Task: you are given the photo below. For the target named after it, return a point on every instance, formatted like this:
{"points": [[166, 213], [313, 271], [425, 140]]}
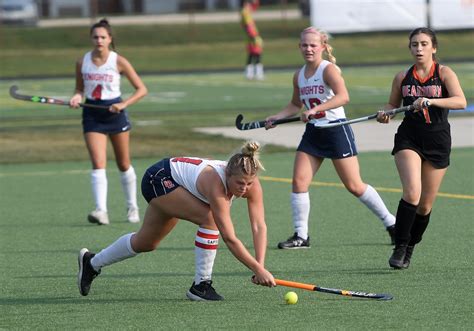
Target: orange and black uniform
{"points": [[427, 132]]}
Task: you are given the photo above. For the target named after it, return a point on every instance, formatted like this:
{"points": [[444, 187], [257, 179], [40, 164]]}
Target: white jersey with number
{"points": [[314, 91], [186, 170], [101, 82]]}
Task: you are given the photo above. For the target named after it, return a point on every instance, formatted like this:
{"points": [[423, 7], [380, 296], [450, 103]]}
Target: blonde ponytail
{"points": [[246, 162], [328, 51]]}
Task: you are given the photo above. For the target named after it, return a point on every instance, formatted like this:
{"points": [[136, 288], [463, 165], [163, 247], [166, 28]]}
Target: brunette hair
{"points": [[104, 23], [429, 32]]}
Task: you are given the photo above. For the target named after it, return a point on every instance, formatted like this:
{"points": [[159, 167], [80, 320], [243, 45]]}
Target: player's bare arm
{"points": [[456, 99], [293, 107], [395, 99], [219, 203], [257, 220], [333, 78], [128, 71], [79, 89]]}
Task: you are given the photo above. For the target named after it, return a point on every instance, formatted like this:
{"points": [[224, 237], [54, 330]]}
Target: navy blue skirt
{"points": [[104, 121], [157, 180], [331, 143]]}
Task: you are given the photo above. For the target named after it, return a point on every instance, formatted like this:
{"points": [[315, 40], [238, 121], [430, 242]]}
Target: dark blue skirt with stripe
{"points": [[331, 143], [157, 180], [104, 121]]}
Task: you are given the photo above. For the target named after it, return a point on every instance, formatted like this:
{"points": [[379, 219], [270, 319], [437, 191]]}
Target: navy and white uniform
{"points": [[426, 132], [166, 175], [333, 143], [102, 87]]}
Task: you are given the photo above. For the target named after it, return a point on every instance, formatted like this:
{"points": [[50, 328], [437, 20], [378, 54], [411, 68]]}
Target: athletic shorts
{"points": [[157, 180], [331, 143], [104, 121], [431, 141]]}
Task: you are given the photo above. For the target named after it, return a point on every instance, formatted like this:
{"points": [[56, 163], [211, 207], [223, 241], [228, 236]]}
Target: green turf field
{"points": [[27, 52], [44, 207], [175, 105], [45, 197]]}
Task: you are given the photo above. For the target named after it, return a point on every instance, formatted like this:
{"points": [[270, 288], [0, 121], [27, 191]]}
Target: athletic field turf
{"points": [[176, 104], [44, 225], [45, 197]]}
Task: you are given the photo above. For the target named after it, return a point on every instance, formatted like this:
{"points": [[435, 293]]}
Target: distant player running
{"points": [[200, 191], [320, 88], [98, 79], [423, 139], [254, 68]]}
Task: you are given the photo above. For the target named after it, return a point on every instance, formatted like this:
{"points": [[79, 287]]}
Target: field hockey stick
{"points": [[260, 124], [366, 118], [356, 294], [47, 100]]}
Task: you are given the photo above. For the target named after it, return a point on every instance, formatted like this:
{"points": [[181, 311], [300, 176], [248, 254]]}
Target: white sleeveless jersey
{"points": [[314, 91], [186, 170], [103, 82]]}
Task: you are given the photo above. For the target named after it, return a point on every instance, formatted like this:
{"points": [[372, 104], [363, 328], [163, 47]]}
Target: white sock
{"points": [[250, 71], [205, 251], [99, 188], [374, 202], [300, 205], [129, 185], [259, 71], [120, 250]]}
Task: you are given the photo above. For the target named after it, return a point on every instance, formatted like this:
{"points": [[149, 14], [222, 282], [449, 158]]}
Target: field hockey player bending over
{"points": [[98, 79], [200, 191], [423, 140], [320, 88]]}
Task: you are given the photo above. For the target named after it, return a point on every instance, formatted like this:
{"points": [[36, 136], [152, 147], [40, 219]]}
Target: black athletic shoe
{"points": [[391, 232], [408, 253], [396, 261], [294, 242], [203, 292], [86, 273]]}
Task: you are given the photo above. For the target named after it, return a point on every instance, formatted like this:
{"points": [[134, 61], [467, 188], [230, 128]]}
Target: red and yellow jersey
{"points": [[255, 43], [247, 21]]}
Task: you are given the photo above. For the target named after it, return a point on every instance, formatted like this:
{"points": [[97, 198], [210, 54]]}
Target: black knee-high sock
{"points": [[419, 226], [405, 217], [249, 59]]}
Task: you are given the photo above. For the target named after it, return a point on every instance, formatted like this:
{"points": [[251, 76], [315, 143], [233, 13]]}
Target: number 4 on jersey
{"points": [[97, 93]]}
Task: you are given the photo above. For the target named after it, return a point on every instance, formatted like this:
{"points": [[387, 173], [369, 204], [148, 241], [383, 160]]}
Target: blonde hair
{"points": [[324, 40], [247, 161]]}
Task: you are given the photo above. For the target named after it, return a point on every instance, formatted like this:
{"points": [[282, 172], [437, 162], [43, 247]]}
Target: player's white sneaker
{"points": [[98, 217], [259, 75], [132, 215], [250, 71]]}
